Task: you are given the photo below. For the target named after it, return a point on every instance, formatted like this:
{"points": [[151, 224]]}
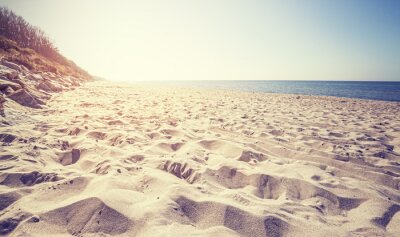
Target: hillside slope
{"points": [[28, 78], [31, 68], [35, 62]]}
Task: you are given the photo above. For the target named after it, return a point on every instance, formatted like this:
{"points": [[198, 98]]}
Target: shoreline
{"points": [[176, 85], [149, 85]]}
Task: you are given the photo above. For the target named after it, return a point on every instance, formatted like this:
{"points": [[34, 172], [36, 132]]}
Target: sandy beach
{"points": [[109, 159]]}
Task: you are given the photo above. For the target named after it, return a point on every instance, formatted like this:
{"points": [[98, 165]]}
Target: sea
{"points": [[373, 90]]}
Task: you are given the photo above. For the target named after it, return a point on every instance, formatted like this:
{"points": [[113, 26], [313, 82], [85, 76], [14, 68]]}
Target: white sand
{"points": [[108, 159]]}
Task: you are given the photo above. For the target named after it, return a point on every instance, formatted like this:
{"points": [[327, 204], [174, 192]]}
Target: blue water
{"points": [[389, 91]]}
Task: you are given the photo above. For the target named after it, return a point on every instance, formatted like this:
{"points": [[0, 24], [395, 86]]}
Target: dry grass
{"points": [[35, 62]]}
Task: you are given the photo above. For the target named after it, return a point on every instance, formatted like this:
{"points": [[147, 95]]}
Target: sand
{"points": [[109, 159]]}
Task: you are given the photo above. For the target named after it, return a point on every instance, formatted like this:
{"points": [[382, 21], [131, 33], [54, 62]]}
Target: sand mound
{"points": [[208, 214], [88, 216], [182, 171], [6, 199], [26, 179], [70, 157]]}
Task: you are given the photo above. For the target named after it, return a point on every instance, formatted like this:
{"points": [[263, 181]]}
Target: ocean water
{"points": [[389, 91]]}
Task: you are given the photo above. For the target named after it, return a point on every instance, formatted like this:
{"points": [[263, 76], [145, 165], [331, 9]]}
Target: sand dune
{"points": [[119, 160]]}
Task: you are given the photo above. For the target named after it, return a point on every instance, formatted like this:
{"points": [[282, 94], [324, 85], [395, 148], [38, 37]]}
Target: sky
{"points": [[223, 39]]}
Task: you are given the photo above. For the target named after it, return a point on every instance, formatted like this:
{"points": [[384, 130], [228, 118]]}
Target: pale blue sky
{"points": [[225, 40]]}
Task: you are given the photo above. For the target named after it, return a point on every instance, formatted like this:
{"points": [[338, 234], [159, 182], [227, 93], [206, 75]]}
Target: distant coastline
{"points": [[372, 90]]}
